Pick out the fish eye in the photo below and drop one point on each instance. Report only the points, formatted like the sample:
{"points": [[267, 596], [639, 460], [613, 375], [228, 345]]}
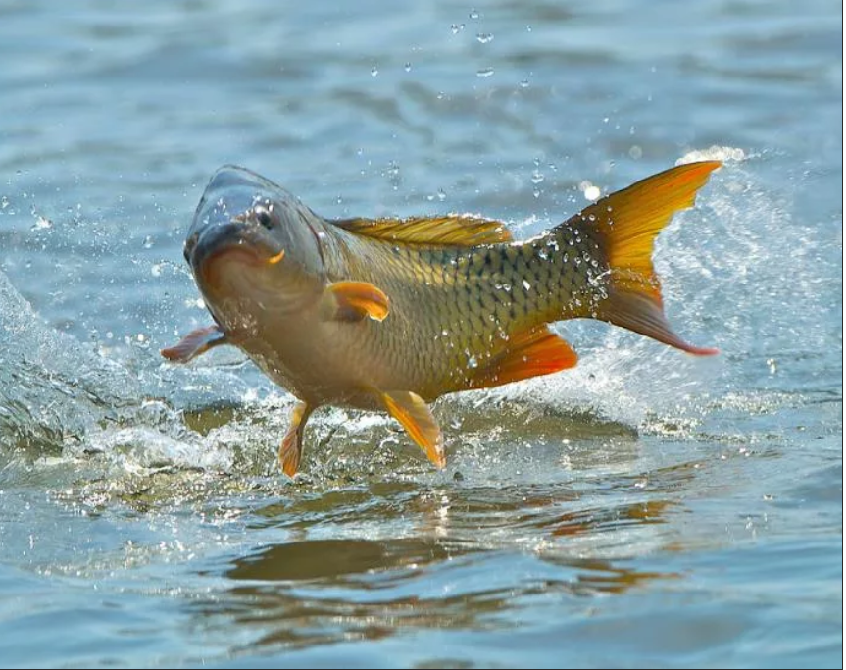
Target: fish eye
{"points": [[264, 217]]}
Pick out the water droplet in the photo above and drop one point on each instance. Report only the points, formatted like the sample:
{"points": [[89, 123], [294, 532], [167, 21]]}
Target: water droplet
{"points": [[148, 242], [156, 270], [474, 14], [536, 192], [374, 72], [485, 72], [4, 202], [590, 191], [524, 83], [537, 177], [484, 38], [42, 224], [408, 67], [771, 363], [635, 152], [472, 362], [444, 333], [441, 194], [456, 28], [526, 285]]}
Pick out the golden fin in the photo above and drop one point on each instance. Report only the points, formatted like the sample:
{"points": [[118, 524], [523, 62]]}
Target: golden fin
{"points": [[640, 312], [630, 219], [533, 353], [456, 231], [195, 343], [415, 416], [628, 222], [355, 301], [291, 449]]}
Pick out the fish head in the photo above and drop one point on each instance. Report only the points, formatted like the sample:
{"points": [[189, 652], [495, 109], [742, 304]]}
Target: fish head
{"points": [[252, 247]]}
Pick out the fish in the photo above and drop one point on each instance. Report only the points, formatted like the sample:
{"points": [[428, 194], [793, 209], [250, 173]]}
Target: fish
{"points": [[390, 314]]}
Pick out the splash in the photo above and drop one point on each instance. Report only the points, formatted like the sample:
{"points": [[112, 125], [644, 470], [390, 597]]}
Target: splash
{"points": [[729, 268]]}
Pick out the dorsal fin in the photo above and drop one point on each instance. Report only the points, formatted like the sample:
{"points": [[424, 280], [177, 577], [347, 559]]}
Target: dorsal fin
{"points": [[451, 231]]}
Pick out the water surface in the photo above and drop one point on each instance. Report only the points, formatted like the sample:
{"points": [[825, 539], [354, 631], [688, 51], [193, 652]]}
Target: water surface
{"points": [[646, 509]]}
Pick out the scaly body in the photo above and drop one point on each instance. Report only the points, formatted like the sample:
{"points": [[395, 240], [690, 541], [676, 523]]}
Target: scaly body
{"points": [[392, 314]]}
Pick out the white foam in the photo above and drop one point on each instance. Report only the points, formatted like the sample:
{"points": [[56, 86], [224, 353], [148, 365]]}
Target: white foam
{"points": [[714, 153]]}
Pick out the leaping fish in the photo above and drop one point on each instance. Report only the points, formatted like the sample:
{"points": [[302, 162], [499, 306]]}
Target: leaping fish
{"points": [[390, 314]]}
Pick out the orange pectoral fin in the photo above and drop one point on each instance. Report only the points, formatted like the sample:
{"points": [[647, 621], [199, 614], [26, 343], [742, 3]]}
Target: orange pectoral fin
{"points": [[195, 343], [355, 301], [531, 354], [415, 416]]}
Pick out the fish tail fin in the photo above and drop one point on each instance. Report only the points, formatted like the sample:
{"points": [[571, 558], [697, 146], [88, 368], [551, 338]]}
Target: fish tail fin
{"points": [[627, 223]]}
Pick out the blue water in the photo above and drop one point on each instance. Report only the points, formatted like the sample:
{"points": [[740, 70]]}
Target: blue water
{"points": [[646, 509]]}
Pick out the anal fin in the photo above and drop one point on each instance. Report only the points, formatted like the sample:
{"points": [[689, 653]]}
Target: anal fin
{"points": [[535, 352]]}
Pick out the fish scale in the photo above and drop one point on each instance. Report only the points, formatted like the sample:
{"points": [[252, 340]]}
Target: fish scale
{"points": [[454, 290], [391, 314]]}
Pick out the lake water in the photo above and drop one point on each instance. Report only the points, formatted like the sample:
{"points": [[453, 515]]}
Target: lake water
{"points": [[646, 509]]}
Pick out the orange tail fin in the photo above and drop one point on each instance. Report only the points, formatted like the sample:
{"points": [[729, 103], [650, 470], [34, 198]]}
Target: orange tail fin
{"points": [[628, 222]]}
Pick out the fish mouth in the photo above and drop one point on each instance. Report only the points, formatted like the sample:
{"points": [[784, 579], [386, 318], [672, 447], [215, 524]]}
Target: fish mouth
{"points": [[216, 250]]}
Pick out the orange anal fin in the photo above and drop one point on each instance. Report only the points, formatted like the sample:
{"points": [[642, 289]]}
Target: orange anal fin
{"points": [[640, 311], [531, 354], [415, 416], [195, 343], [355, 301], [291, 449]]}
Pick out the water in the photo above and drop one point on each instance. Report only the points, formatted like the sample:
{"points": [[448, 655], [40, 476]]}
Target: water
{"points": [[643, 510]]}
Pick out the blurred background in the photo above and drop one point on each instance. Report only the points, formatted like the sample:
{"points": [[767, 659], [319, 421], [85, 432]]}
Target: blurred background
{"points": [[644, 510]]}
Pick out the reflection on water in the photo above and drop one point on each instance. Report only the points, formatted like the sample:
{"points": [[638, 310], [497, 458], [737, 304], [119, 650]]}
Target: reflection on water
{"points": [[308, 592]]}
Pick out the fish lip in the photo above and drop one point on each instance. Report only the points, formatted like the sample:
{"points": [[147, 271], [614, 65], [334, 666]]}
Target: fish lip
{"points": [[230, 242]]}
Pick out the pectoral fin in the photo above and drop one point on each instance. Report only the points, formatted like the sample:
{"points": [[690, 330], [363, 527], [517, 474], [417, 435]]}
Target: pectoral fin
{"points": [[195, 343], [291, 449], [354, 301], [415, 416]]}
